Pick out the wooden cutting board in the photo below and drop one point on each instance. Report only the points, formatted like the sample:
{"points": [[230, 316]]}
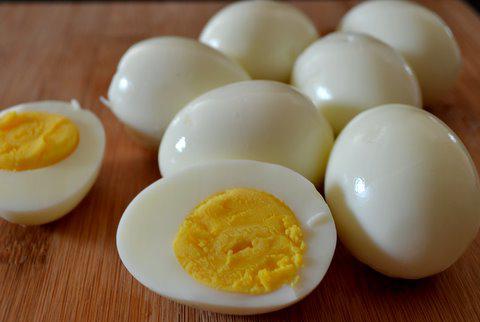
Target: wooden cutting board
{"points": [[69, 270]]}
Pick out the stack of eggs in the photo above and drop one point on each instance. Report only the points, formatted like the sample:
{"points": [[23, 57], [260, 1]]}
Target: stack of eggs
{"points": [[236, 224]]}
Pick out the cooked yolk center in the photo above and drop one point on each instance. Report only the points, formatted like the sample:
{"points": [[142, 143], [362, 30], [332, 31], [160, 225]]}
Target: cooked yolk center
{"points": [[32, 140], [241, 240]]}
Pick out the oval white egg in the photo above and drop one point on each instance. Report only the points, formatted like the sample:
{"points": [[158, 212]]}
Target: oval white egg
{"points": [[38, 196], [404, 191], [157, 77], [420, 35], [149, 224], [346, 73], [258, 120], [265, 37]]}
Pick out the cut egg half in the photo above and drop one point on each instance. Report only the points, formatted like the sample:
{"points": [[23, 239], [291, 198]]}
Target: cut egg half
{"points": [[156, 228], [50, 156]]}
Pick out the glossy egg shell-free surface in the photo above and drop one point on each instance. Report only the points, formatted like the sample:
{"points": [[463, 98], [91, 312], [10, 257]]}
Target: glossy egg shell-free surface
{"points": [[419, 34], [265, 37], [156, 77], [404, 191], [259, 120], [151, 221], [38, 196], [346, 73]]}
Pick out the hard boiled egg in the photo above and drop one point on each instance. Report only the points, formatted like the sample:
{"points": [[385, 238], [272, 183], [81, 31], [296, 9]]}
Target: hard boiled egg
{"points": [[259, 120], [404, 191], [50, 156], [420, 35], [347, 73], [157, 77], [265, 37], [230, 236]]}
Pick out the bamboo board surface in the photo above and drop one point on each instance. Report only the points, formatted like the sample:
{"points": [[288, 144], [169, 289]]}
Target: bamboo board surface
{"points": [[69, 270]]}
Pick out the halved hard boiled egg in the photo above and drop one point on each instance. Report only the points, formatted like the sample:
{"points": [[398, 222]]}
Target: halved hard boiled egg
{"points": [[347, 73], [230, 236], [157, 77], [50, 156], [257, 120]]}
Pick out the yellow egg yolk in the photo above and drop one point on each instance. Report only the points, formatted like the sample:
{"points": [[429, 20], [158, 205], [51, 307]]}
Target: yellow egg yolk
{"points": [[32, 140], [241, 240]]}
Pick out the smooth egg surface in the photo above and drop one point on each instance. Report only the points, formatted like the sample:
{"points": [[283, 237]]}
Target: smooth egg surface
{"points": [[58, 148], [258, 120], [404, 192], [265, 37], [157, 77], [209, 210], [420, 35], [347, 73]]}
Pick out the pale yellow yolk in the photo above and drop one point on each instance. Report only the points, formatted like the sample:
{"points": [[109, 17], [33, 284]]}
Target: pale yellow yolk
{"points": [[32, 140], [241, 240]]}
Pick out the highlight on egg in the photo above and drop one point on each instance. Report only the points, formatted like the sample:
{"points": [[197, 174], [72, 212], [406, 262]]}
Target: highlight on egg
{"points": [[420, 35], [258, 120], [404, 192], [265, 37], [156, 77], [347, 73], [229, 236], [50, 156]]}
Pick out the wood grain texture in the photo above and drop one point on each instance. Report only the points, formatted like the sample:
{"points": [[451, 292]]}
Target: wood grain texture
{"points": [[69, 270]]}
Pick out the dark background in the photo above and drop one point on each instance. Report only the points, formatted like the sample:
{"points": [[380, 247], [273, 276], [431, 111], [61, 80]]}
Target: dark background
{"points": [[475, 4]]}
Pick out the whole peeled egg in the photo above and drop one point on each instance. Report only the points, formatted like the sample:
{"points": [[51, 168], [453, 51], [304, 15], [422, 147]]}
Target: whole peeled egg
{"points": [[259, 120], [420, 35], [155, 78], [230, 236], [50, 156], [347, 73], [265, 37], [404, 192]]}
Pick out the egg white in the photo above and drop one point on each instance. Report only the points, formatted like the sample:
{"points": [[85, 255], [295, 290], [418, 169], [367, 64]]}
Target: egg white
{"points": [[419, 34], [38, 196], [403, 190], [149, 225], [256, 120], [265, 37], [156, 77], [345, 73]]}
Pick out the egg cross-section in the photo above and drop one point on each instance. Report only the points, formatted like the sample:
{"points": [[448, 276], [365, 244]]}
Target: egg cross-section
{"points": [[230, 236], [50, 156]]}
